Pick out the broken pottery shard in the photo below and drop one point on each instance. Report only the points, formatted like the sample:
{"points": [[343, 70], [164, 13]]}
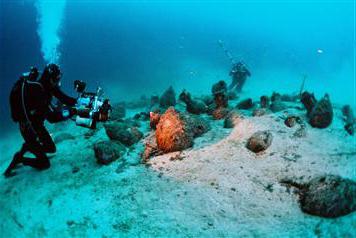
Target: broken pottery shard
{"points": [[259, 141]]}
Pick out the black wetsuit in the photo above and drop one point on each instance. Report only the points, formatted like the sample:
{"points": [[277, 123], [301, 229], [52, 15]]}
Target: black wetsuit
{"points": [[239, 75], [37, 108]]}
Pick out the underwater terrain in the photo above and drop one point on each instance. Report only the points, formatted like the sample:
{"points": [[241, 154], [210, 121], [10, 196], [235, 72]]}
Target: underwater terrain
{"points": [[182, 154]]}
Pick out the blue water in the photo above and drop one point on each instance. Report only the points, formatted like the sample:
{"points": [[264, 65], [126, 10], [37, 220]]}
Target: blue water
{"points": [[141, 47]]}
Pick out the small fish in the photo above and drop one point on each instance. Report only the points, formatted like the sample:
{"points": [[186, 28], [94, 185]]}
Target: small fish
{"points": [[320, 51]]}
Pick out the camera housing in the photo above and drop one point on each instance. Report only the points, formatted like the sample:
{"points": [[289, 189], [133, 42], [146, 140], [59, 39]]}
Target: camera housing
{"points": [[91, 107]]}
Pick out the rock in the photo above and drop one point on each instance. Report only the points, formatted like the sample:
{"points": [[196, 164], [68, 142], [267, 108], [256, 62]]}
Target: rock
{"points": [[264, 102], [118, 111], [258, 112], [245, 104], [321, 115], [220, 113], [119, 131], [309, 101], [259, 141], [173, 132], [194, 106], [108, 151], [168, 98], [328, 196], [232, 119], [63, 136], [291, 121]]}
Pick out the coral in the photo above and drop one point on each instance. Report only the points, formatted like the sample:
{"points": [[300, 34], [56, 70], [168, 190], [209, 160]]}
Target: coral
{"points": [[175, 130], [172, 132]]}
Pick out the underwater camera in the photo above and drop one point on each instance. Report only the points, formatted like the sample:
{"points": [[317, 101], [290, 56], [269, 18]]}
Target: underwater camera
{"points": [[91, 107]]}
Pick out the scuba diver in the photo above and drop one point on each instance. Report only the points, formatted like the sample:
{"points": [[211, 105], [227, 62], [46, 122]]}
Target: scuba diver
{"points": [[30, 102], [239, 73]]}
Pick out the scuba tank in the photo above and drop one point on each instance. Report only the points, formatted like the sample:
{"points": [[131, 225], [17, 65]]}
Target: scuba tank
{"points": [[16, 95]]}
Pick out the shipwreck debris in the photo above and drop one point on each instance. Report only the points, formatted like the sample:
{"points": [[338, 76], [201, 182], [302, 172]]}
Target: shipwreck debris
{"points": [[259, 141]]}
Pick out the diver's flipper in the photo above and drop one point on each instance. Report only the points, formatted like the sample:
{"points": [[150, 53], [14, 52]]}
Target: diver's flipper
{"points": [[51, 155], [9, 173], [15, 161]]}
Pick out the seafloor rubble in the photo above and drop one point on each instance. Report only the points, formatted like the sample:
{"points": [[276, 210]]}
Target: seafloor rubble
{"points": [[218, 165]]}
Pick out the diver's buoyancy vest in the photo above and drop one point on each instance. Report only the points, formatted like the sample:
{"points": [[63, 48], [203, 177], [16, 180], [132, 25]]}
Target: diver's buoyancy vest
{"points": [[17, 98], [17, 112]]}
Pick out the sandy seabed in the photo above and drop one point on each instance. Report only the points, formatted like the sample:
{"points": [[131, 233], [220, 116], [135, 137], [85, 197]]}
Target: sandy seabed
{"points": [[218, 188]]}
